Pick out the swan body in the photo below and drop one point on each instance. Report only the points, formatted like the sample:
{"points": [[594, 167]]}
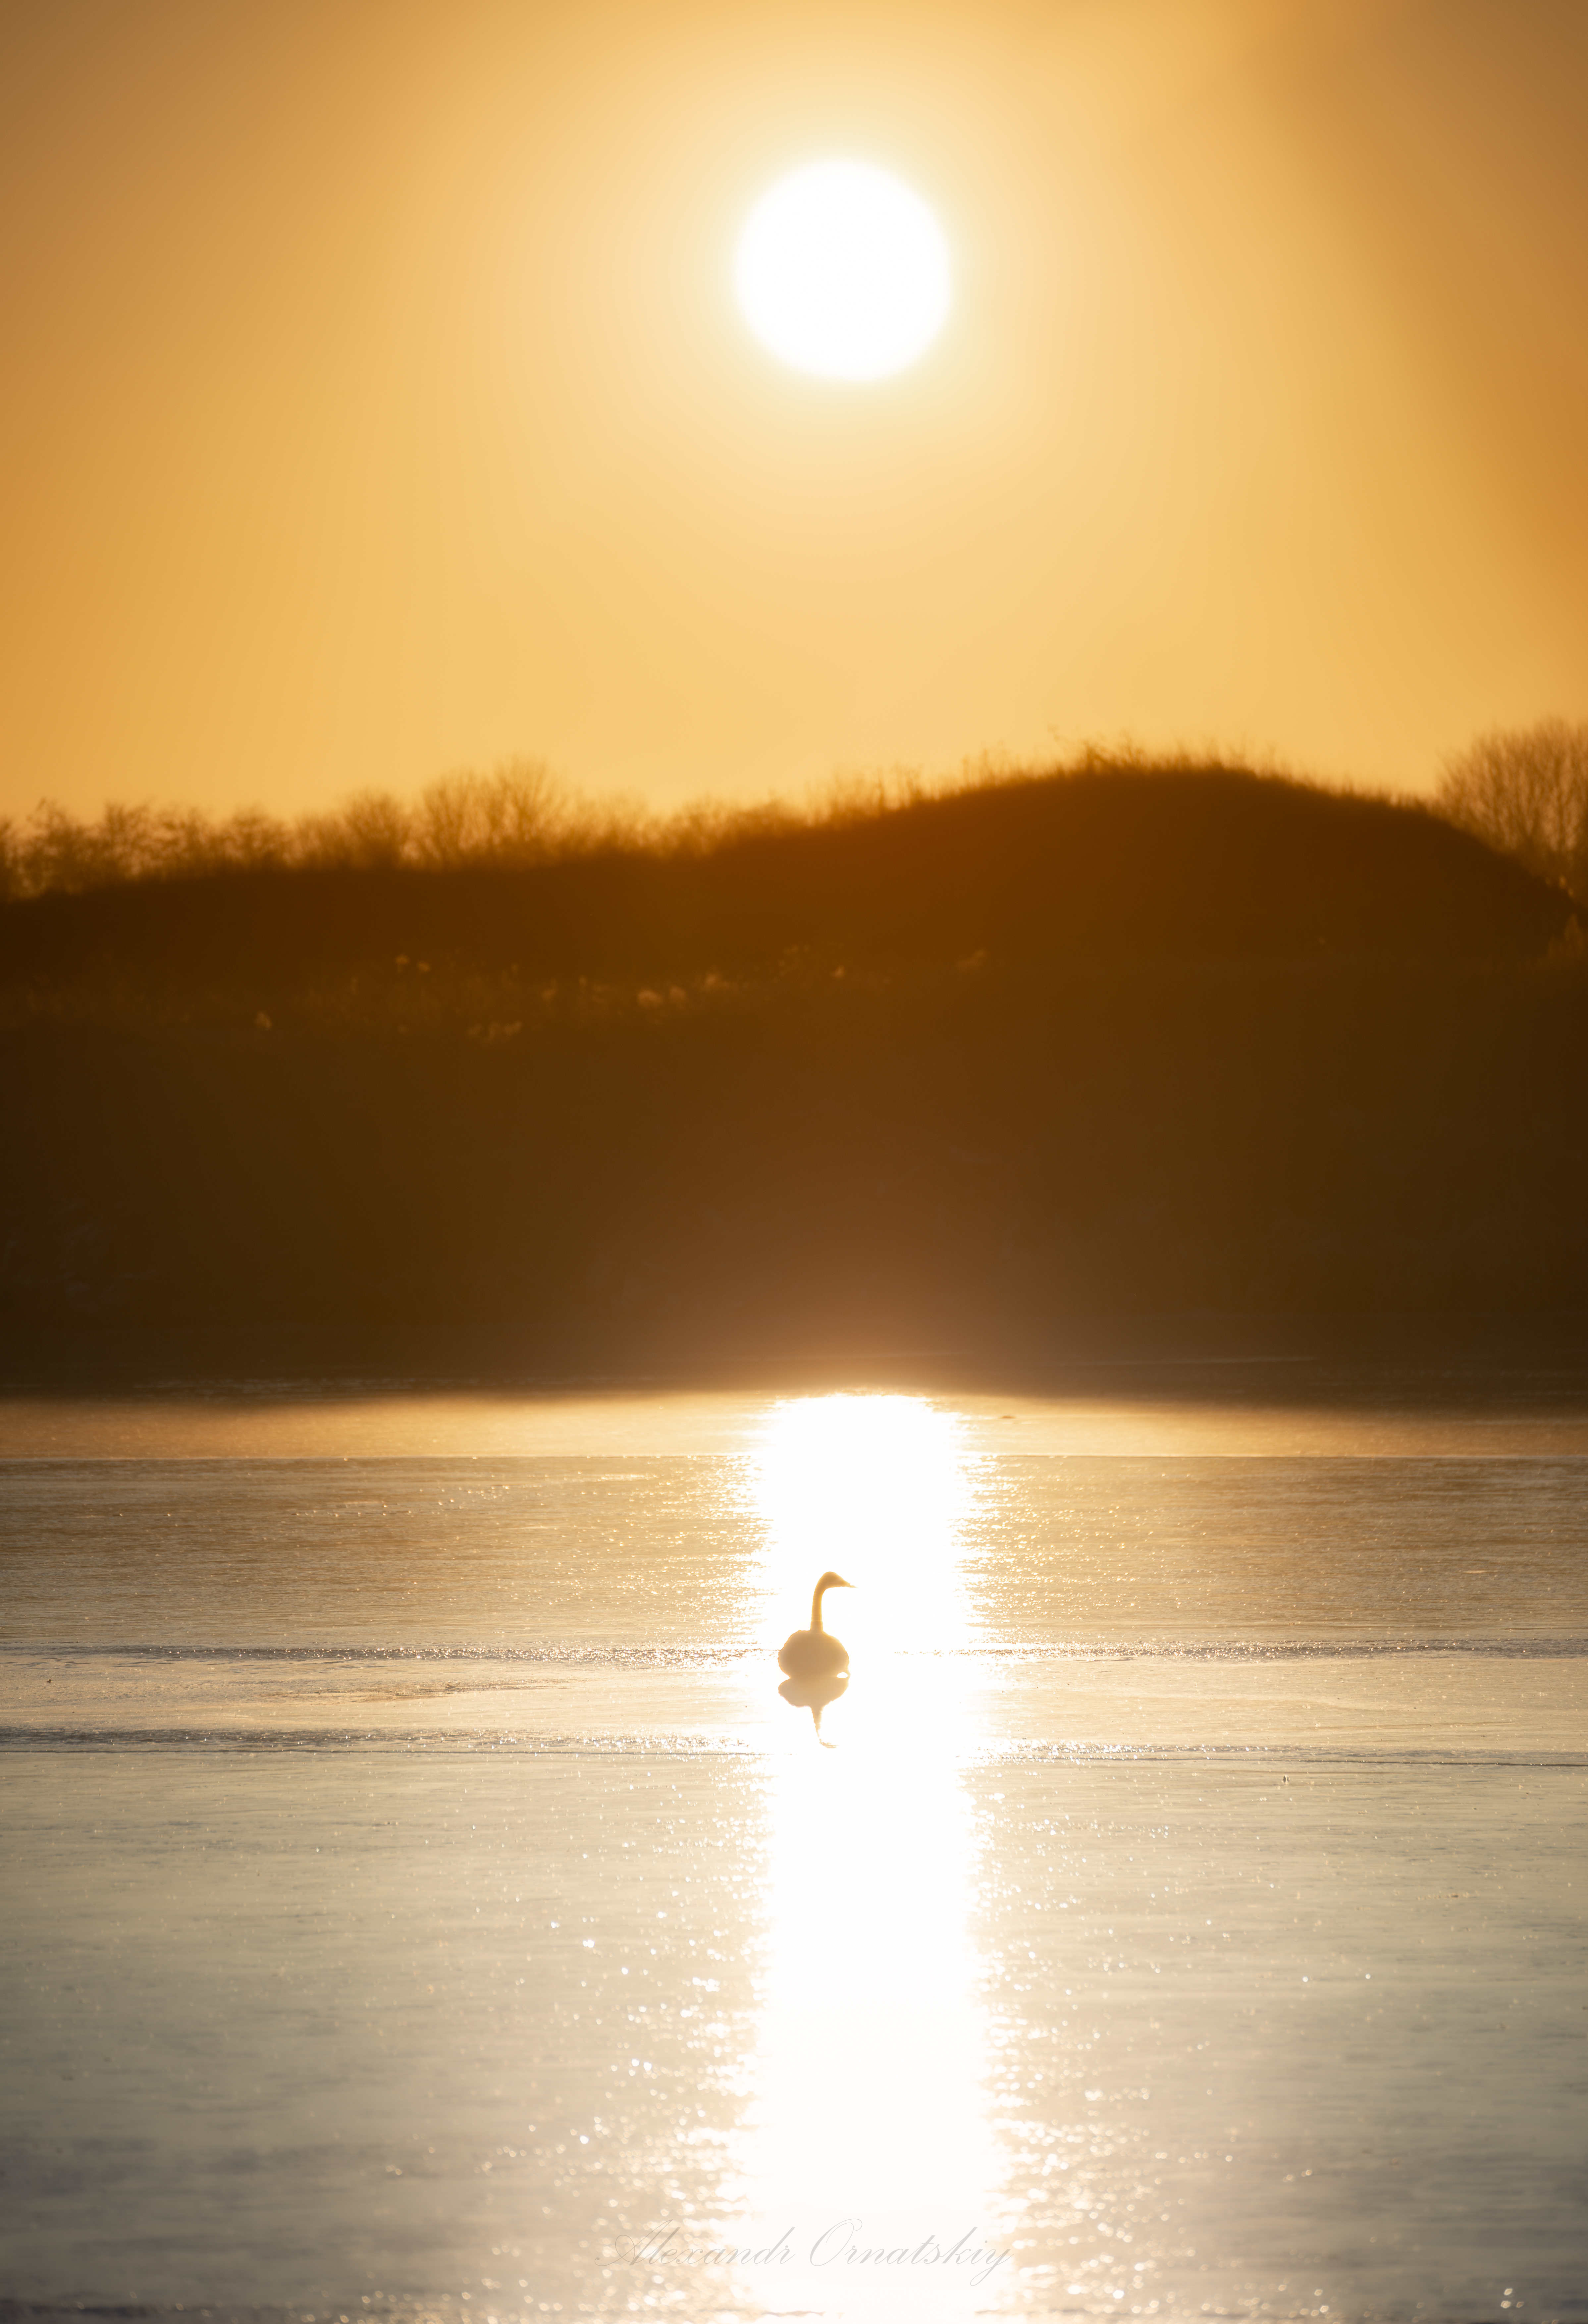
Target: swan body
{"points": [[816, 1654]]}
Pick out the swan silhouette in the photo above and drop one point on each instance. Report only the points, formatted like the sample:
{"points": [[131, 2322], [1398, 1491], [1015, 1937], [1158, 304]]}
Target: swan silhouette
{"points": [[816, 1654]]}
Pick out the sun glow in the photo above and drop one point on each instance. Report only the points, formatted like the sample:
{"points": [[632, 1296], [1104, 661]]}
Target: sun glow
{"points": [[843, 271], [878, 1486]]}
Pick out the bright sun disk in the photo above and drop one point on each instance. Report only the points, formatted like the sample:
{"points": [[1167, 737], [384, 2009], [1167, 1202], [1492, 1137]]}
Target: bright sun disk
{"points": [[842, 270]]}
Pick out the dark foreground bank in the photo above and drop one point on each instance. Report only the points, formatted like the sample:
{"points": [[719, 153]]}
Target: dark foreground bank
{"points": [[915, 1153]]}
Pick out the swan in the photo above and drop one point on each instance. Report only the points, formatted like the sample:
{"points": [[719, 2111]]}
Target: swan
{"points": [[816, 1652]]}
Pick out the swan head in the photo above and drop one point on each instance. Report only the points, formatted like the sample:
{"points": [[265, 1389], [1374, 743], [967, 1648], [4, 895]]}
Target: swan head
{"points": [[833, 1581]]}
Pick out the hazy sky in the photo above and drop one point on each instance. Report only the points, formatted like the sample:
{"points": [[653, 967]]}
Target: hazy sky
{"points": [[375, 403]]}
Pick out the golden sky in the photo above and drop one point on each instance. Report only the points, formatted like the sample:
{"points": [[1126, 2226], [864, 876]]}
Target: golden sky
{"points": [[376, 402]]}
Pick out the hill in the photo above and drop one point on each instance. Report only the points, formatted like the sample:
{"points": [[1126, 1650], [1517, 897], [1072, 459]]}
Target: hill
{"points": [[1205, 863], [1139, 1041]]}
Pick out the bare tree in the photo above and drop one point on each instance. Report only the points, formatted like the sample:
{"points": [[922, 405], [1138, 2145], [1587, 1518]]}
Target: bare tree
{"points": [[1526, 792], [369, 829], [518, 814]]}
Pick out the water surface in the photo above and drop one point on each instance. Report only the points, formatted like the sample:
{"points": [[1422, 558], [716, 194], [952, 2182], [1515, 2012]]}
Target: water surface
{"points": [[432, 1907]]}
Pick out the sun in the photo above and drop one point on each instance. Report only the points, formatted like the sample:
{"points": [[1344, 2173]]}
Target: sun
{"points": [[842, 270]]}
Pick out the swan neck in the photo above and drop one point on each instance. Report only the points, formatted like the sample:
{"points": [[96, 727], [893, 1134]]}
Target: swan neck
{"points": [[816, 1606]]}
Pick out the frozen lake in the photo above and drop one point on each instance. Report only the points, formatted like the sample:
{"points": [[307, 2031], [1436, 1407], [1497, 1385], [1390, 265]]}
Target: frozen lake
{"points": [[428, 1906]]}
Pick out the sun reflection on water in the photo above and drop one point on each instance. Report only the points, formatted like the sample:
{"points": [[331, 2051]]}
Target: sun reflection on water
{"points": [[878, 1486], [871, 2148]]}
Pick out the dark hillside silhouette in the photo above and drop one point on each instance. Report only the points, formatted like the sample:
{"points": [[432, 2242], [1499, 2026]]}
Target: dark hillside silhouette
{"points": [[1208, 863], [1109, 1041]]}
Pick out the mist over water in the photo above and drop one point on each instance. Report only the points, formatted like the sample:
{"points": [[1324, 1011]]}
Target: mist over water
{"points": [[432, 1909]]}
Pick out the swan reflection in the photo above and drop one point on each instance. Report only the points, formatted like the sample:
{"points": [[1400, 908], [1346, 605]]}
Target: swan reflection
{"points": [[814, 1694]]}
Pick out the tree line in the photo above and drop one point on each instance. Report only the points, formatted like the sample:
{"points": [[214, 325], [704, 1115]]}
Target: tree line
{"points": [[1523, 792]]}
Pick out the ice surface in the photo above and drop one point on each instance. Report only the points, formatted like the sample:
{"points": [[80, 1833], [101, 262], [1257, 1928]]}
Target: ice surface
{"points": [[423, 1903]]}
